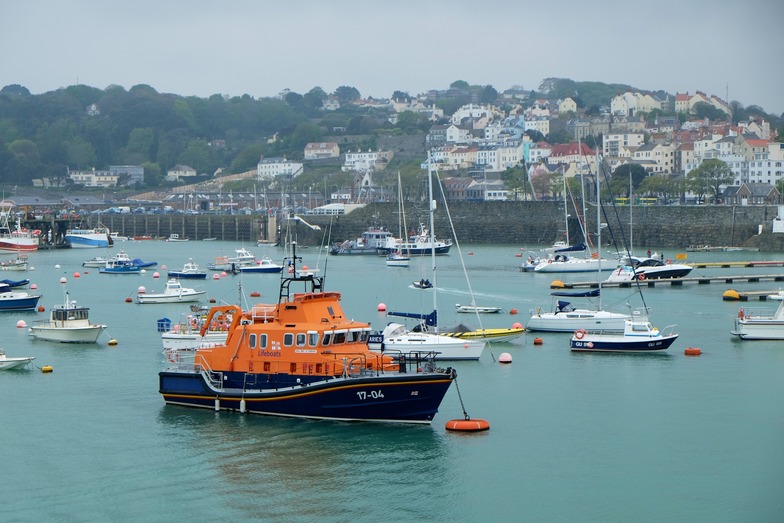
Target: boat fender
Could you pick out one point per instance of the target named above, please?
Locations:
(641, 277)
(740, 313)
(579, 334)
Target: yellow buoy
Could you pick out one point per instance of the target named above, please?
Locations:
(112, 342)
(557, 284)
(730, 295)
(47, 368)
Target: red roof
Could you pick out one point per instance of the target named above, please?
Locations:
(571, 149)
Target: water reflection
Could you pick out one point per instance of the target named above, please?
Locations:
(291, 469)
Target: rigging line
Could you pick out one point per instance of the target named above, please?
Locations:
(580, 219)
(601, 168)
(462, 262)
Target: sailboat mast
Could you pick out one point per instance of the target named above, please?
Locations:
(566, 209)
(599, 232)
(432, 205)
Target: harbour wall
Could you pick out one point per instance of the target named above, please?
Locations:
(516, 223)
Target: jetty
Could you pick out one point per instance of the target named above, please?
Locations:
(725, 264)
(672, 282)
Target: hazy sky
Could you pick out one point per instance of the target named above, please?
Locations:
(258, 47)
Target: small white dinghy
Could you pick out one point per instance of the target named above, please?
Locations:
(7, 363)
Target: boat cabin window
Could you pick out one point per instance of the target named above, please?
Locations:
(330, 311)
(313, 337)
(263, 341)
(252, 341)
(363, 336)
(340, 336)
(301, 339)
(288, 339)
(327, 339)
(353, 335)
(69, 314)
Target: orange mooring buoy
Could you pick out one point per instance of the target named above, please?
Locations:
(538, 341)
(692, 351)
(468, 425)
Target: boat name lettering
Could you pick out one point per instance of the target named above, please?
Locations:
(374, 394)
(305, 351)
(269, 354)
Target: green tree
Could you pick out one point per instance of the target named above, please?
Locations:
(346, 94)
(411, 122)
(152, 174)
(660, 185)
(80, 154)
(401, 96)
(619, 181)
(706, 110)
(488, 95)
(709, 177)
(459, 84)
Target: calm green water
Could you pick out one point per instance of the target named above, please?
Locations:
(574, 437)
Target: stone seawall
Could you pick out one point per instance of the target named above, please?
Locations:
(516, 223)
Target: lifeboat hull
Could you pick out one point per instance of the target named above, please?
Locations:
(390, 397)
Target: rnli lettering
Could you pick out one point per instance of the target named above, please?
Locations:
(373, 394)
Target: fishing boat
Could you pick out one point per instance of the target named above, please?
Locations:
(422, 243)
(117, 237)
(67, 323)
(398, 258)
(375, 241)
(190, 271)
(306, 359)
(242, 257)
(16, 238)
(638, 335)
(173, 293)
(174, 237)
(264, 265)
(7, 363)
(19, 264)
(88, 238)
(11, 300)
(761, 324)
(120, 264)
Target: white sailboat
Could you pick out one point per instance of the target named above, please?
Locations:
(399, 257)
(566, 318)
(426, 337)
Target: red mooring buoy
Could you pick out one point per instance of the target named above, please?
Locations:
(468, 425)
(692, 351)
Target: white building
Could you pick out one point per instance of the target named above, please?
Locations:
(271, 168)
(363, 161)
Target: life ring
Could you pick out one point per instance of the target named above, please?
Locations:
(173, 357)
(579, 334)
(641, 277)
(291, 270)
(740, 313)
(549, 261)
